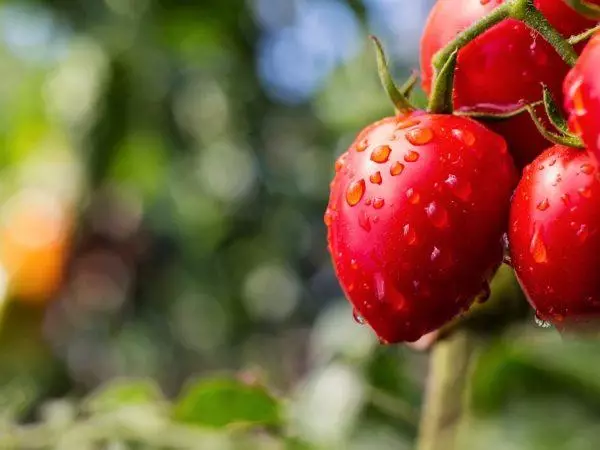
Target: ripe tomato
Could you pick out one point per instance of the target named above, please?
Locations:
(415, 220)
(554, 235)
(502, 69)
(582, 96)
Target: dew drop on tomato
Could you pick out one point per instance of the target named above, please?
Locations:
(585, 192)
(437, 215)
(409, 234)
(464, 136)
(588, 169)
(376, 178)
(411, 156)
(461, 189)
(381, 154)
(543, 205)
(419, 136)
(358, 318)
(355, 192)
(413, 197)
(396, 169)
(538, 247)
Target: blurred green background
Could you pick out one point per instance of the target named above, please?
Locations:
(164, 171)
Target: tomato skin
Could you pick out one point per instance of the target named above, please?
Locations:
(425, 229)
(554, 235)
(582, 96)
(503, 68)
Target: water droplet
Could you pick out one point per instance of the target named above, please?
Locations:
(376, 178)
(378, 203)
(412, 196)
(566, 199)
(381, 154)
(358, 318)
(588, 169)
(364, 221)
(435, 254)
(541, 322)
(583, 233)
(543, 205)
(465, 136)
(409, 234)
(407, 123)
(585, 192)
(462, 190)
(552, 162)
(577, 98)
(329, 217)
(538, 247)
(368, 201)
(379, 286)
(411, 156)
(396, 168)
(541, 167)
(353, 264)
(362, 145)
(419, 136)
(340, 163)
(484, 2)
(437, 214)
(355, 192)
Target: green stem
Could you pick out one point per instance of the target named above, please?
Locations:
(560, 139)
(401, 103)
(441, 99)
(408, 85)
(522, 10)
(445, 402)
(576, 39)
(526, 12)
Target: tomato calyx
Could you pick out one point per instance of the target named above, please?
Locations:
(399, 97)
(562, 136)
(585, 8)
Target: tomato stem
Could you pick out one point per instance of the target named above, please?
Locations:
(576, 39)
(398, 97)
(408, 85)
(441, 98)
(526, 12)
(522, 10)
(445, 402)
(585, 8)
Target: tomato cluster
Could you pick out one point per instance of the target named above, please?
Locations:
(422, 202)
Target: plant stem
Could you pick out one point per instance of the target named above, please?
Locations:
(445, 403)
(441, 99)
(576, 39)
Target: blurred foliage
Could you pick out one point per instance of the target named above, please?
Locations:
(165, 168)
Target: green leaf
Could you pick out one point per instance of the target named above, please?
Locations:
(123, 392)
(222, 402)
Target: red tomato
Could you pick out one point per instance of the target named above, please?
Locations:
(555, 235)
(502, 69)
(415, 220)
(582, 96)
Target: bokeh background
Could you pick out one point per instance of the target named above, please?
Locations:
(164, 169)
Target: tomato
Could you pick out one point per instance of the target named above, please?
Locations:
(417, 210)
(554, 235)
(582, 96)
(502, 69)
